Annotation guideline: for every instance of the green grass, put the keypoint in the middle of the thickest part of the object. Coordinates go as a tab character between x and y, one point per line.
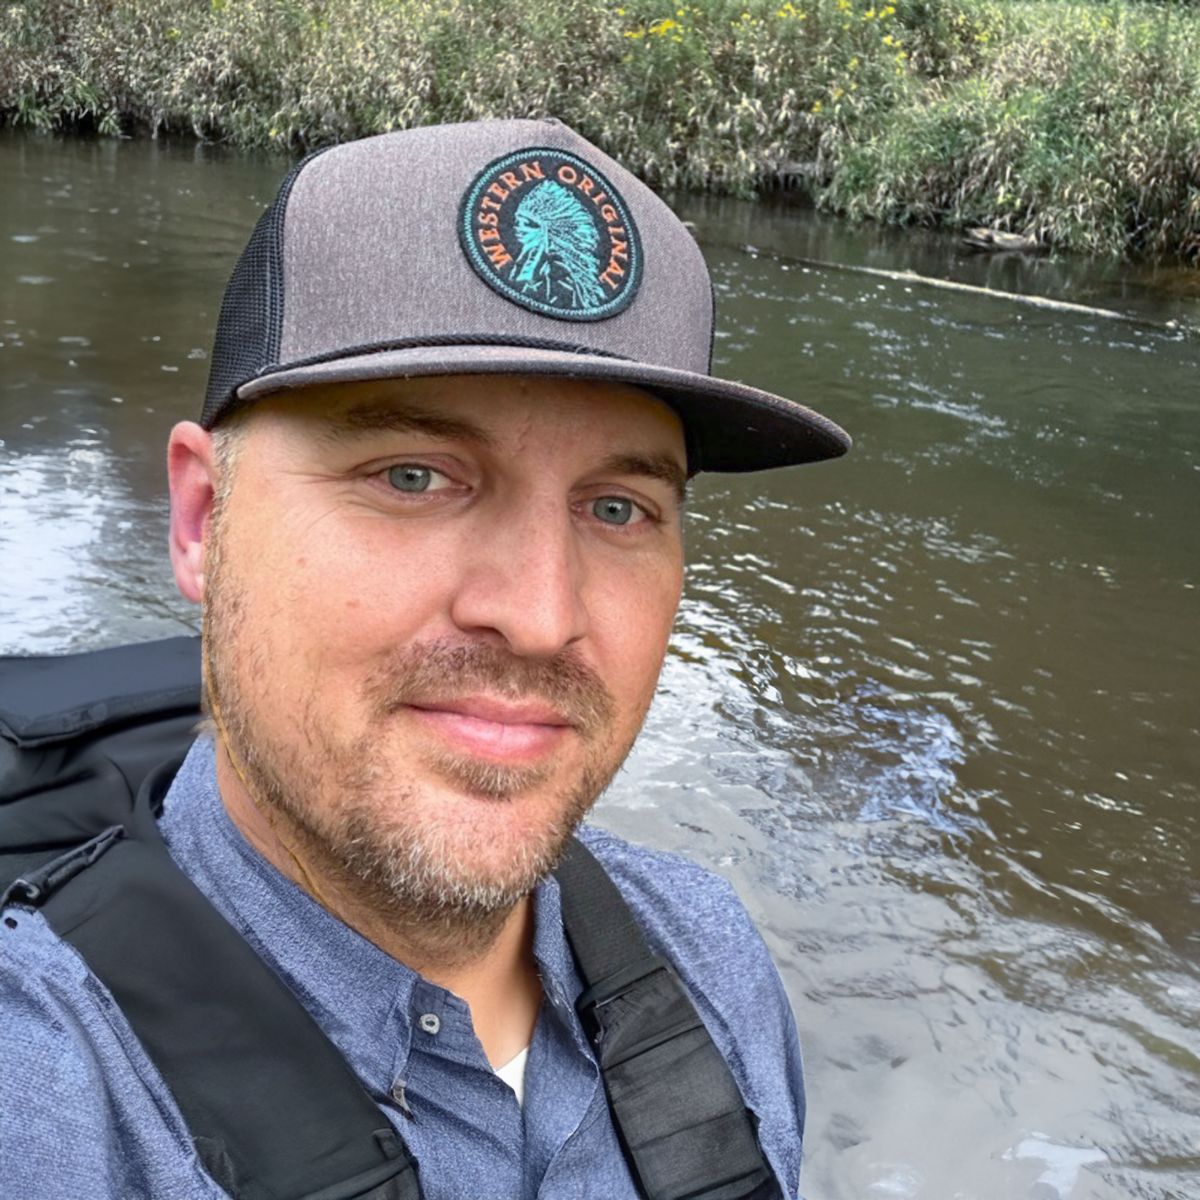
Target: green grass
1076	122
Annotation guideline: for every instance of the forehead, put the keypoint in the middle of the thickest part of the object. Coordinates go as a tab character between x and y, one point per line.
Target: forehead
499	412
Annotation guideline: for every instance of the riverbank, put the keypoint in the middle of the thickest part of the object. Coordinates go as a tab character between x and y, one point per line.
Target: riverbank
1074	123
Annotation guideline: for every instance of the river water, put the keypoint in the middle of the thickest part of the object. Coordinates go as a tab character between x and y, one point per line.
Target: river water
931	708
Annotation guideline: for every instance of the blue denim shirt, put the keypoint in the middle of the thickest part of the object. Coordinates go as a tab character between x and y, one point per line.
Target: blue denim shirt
83	1113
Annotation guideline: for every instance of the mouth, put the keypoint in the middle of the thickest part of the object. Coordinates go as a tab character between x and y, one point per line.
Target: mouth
504	731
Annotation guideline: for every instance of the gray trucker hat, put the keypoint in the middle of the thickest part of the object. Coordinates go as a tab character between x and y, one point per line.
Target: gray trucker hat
496	247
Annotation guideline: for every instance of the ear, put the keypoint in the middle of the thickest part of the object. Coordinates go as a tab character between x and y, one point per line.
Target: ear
192	477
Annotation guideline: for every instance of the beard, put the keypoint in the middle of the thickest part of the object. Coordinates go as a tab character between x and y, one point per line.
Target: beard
447	874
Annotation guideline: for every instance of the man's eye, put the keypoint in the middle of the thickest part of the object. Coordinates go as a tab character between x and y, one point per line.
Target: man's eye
411	477
616	510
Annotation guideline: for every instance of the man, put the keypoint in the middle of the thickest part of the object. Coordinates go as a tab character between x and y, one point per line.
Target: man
432	511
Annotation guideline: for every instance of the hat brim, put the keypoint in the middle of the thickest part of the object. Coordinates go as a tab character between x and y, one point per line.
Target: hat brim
730	426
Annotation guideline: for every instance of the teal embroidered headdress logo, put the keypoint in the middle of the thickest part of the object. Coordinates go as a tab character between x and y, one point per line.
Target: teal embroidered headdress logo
549	232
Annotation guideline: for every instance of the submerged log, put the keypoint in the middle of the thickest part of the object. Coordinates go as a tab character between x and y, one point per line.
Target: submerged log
997	241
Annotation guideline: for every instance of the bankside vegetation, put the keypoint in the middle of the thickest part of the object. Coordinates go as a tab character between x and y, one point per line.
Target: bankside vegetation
1075	122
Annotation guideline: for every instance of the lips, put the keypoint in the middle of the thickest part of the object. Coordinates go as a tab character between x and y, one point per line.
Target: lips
511	731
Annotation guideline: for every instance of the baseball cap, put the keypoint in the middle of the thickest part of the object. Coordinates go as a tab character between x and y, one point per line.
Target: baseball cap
491	247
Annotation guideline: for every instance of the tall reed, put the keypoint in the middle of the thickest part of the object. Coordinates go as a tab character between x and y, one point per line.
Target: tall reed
1076	122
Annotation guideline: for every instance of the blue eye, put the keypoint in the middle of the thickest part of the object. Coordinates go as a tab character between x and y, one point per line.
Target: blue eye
408	477
614	510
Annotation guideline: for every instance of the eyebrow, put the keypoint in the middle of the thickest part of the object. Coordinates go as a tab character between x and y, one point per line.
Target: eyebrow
652	466
392	417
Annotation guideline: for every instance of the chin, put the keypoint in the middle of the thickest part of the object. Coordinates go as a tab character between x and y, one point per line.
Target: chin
448	852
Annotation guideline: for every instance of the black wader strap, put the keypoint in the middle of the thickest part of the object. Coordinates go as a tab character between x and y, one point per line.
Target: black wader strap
274	1110
677	1108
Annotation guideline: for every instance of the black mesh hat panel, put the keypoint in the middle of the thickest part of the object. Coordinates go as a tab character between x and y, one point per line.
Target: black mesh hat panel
251	319
247	337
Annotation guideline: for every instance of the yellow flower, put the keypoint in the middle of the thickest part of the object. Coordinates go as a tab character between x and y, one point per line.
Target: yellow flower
837	93
869	15
665	26
635	33
817	107
853	63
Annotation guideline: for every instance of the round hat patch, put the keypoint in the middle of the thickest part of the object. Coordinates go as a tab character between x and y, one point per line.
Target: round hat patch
547	231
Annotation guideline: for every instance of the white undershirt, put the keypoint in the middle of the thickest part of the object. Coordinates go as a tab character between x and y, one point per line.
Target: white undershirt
513	1073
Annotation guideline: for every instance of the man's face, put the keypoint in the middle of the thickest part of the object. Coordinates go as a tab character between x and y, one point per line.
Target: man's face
435	613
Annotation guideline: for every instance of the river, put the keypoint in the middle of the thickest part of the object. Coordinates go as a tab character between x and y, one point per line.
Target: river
931	708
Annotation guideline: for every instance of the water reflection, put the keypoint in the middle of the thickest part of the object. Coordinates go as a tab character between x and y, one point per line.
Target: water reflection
78	550
931	708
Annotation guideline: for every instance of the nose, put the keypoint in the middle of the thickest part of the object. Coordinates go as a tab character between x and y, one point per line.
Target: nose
523	582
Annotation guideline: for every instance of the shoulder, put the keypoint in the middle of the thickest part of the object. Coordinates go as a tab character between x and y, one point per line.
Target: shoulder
694	919
680	905
80	1104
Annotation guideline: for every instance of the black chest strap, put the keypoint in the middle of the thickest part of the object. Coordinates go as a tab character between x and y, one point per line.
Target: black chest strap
698	1144
274	1110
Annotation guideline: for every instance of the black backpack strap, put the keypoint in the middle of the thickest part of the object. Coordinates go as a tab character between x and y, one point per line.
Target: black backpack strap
677	1108
274	1110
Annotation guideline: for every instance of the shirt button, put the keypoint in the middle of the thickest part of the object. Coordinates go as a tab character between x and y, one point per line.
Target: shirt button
431	1023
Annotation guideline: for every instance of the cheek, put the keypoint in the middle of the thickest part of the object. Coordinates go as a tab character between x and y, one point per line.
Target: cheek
634	624
320	592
